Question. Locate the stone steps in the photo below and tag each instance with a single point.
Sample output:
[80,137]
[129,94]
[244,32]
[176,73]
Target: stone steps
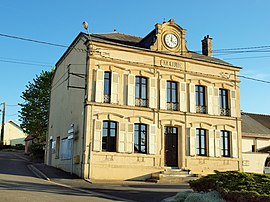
[172,176]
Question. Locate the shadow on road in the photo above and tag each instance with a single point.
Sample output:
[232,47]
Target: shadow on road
[43,188]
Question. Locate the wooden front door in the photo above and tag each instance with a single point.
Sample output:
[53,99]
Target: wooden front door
[171,146]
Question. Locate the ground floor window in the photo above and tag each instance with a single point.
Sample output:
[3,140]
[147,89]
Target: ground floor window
[140,138]
[109,136]
[225,143]
[201,142]
[66,149]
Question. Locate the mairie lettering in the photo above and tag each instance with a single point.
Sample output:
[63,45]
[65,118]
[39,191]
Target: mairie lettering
[166,63]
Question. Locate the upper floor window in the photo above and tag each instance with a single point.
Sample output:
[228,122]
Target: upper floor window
[107,87]
[225,146]
[223,102]
[201,142]
[200,99]
[140,138]
[109,136]
[172,103]
[141,91]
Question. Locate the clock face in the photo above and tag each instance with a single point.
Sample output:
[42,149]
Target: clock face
[171,40]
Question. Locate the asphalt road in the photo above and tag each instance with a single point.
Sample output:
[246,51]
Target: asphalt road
[18,184]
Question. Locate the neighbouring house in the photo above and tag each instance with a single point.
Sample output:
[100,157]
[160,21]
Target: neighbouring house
[13,134]
[256,142]
[28,142]
[123,107]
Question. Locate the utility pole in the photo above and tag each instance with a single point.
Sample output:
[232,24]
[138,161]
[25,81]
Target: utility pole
[3,122]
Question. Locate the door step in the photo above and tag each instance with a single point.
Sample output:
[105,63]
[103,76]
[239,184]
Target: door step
[172,176]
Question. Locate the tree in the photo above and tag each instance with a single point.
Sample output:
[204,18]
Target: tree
[34,113]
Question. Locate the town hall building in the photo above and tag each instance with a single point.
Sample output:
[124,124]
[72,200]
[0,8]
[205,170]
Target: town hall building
[124,107]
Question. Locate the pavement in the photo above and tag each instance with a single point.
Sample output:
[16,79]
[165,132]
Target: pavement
[111,190]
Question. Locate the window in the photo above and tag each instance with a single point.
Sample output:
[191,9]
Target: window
[107,87]
[253,148]
[223,102]
[172,96]
[66,147]
[225,143]
[200,99]
[57,147]
[201,142]
[140,138]
[141,92]
[109,136]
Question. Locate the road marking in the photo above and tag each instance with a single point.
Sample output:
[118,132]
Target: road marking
[41,175]
[21,157]
[92,192]
[37,172]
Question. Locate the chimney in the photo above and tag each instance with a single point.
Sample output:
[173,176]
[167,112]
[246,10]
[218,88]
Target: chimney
[207,46]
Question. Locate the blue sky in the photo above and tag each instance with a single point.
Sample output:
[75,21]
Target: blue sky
[231,24]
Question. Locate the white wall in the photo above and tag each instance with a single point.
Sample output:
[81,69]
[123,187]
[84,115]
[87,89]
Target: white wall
[13,134]
[254,162]
[247,143]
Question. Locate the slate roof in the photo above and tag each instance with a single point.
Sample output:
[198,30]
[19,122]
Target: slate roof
[255,124]
[116,37]
[134,41]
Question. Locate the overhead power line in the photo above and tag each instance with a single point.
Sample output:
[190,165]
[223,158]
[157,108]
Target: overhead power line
[254,79]
[24,60]
[224,50]
[12,105]
[33,40]
[265,48]
[25,63]
[40,42]
[242,48]
[251,57]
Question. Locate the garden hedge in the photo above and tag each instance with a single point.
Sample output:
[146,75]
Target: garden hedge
[235,186]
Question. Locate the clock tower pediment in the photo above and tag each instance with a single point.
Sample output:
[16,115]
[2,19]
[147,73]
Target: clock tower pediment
[167,37]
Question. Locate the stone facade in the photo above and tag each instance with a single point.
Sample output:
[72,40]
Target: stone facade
[148,103]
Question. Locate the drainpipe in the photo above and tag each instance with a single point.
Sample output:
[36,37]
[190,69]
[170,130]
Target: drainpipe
[88,53]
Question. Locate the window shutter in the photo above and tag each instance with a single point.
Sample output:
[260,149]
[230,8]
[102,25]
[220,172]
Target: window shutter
[152,139]
[163,94]
[131,90]
[192,98]
[233,103]
[183,97]
[121,137]
[130,138]
[99,94]
[234,145]
[97,144]
[114,88]
[153,93]
[192,141]
[211,142]
[216,102]
[217,143]
[210,100]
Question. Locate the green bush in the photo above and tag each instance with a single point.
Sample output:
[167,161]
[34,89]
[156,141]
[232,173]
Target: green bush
[189,196]
[37,151]
[19,147]
[5,147]
[212,196]
[181,196]
[235,186]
